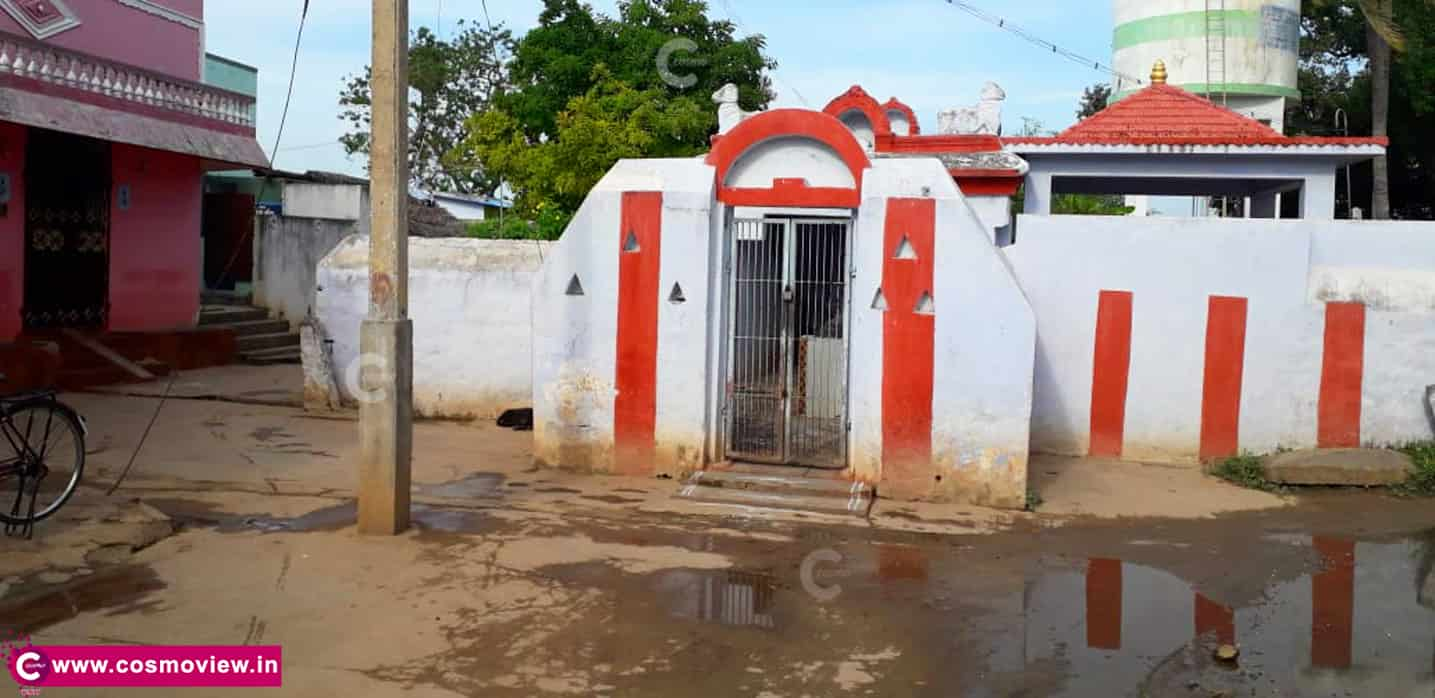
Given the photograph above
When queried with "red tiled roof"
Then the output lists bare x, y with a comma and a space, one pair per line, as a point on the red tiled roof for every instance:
1167, 115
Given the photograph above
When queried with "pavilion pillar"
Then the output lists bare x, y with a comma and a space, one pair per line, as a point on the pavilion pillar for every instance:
1038, 194
386, 335
1317, 196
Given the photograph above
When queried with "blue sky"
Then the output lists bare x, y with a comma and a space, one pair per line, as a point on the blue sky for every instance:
925, 52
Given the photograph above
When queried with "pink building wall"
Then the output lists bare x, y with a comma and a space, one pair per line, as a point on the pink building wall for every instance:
12, 231
137, 32
154, 243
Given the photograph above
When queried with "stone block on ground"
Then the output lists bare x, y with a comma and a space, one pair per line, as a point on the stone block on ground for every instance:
1352, 467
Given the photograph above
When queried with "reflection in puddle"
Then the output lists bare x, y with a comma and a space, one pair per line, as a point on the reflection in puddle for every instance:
727, 597
1356, 624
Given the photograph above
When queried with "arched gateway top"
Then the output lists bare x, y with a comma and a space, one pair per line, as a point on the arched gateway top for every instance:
898, 111
789, 157
861, 113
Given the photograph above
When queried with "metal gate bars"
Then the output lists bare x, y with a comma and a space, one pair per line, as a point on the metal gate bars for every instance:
787, 369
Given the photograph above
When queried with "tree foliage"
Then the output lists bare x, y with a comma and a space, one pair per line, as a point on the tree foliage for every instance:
588, 90
612, 121
554, 62
1335, 76
449, 80
1094, 100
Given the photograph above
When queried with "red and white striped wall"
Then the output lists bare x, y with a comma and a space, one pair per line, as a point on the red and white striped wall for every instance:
1338, 399
1177, 340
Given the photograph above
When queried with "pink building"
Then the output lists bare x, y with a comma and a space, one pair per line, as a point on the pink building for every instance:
106, 130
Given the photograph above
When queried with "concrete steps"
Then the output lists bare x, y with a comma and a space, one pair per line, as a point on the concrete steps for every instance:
230, 314
259, 339
278, 355
779, 488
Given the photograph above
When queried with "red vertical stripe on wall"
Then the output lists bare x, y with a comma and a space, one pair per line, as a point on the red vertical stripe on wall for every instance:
1110, 373
636, 406
1103, 604
908, 339
1333, 604
1341, 375
1214, 619
1225, 365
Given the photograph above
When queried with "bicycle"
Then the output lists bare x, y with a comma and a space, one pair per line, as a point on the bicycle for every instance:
46, 456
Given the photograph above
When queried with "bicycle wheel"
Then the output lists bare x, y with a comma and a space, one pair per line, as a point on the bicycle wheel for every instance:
41, 437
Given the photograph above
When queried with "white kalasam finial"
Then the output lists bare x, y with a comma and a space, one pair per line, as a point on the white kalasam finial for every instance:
983, 119
729, 113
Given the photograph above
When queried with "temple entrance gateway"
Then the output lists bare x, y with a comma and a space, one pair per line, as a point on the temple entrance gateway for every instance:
786, 401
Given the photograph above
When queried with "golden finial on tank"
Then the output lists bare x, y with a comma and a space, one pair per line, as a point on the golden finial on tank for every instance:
1158, 73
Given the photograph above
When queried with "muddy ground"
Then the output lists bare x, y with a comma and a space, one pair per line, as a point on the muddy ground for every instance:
519, 582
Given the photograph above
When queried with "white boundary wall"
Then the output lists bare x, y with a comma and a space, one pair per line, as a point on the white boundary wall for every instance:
1287, 270
469, 301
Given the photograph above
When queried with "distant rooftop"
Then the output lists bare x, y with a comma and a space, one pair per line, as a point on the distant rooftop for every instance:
1166, 115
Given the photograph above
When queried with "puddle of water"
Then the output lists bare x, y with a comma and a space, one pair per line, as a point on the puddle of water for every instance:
333, 518
1360, 624
725, 597
476, 485
611, 499
1358, 620
121, 590
327, 519
265, 434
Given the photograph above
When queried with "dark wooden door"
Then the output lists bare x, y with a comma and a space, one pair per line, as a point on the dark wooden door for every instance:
67, 230
228, 244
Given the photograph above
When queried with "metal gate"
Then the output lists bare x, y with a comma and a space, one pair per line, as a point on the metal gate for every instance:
787, 371
67, 230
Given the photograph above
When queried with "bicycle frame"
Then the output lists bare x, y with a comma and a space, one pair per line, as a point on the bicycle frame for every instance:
20, 446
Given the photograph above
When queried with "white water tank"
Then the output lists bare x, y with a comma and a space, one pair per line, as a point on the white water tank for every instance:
1241, 53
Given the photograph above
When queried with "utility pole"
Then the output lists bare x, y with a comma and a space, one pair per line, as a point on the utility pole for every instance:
386, 416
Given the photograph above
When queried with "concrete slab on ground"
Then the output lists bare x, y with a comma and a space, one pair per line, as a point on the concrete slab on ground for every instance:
1346, 467
281, 384
1111, 488
90, 531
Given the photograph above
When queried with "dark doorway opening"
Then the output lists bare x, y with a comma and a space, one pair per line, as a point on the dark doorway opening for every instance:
67, 230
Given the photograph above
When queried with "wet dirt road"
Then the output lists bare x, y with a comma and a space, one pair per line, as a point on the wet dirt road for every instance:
1330, 598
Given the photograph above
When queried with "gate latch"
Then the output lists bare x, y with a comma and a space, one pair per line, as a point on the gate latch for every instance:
787, 294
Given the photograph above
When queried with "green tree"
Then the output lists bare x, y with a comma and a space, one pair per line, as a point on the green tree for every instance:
1094, 100
1339, 73
449, 80
553, 64
612, 121
1386, 23
588, 90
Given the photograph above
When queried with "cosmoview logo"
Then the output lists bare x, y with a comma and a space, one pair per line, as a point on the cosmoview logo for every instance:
31, 666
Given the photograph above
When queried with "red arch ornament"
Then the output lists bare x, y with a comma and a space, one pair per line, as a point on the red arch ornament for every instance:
795, 192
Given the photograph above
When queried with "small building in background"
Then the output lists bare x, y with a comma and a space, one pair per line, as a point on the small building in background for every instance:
104, 143
468, 207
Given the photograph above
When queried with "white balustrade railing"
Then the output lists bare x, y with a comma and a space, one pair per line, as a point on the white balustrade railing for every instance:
29, 59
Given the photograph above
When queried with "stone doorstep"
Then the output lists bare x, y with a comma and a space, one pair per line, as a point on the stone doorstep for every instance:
1344, 467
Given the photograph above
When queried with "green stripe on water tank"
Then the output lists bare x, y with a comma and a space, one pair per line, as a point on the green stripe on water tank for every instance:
1234, 89
1185, 25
